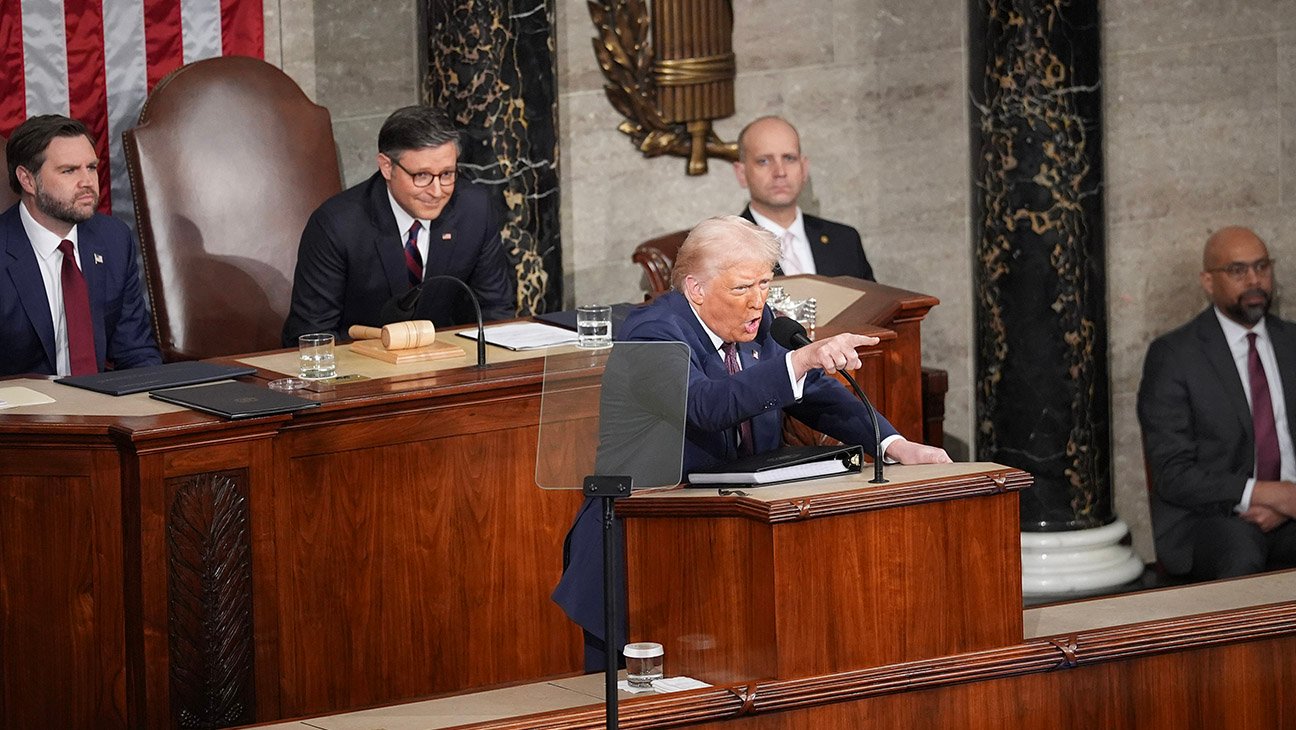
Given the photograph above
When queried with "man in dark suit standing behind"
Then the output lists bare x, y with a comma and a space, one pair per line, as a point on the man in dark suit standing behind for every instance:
773, 170
70, 299
1217, 405
413, 219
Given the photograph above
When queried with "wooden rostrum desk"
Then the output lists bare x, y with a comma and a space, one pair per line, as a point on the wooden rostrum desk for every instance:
828, 575
163, 568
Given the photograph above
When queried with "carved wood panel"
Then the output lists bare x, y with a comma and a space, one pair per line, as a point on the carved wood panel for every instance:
209, 582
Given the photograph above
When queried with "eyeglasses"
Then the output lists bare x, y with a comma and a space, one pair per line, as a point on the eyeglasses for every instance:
424, 179
1238, 269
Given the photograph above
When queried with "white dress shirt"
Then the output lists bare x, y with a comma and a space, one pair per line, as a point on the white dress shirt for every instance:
45, 243
1236, 336
801, 260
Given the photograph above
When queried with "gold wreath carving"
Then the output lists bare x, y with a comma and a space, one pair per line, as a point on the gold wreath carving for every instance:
624, 51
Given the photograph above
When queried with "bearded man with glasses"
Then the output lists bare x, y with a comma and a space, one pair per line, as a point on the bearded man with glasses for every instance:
1217, 405
413, 219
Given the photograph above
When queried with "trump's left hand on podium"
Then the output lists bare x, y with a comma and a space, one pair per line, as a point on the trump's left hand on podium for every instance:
908, 452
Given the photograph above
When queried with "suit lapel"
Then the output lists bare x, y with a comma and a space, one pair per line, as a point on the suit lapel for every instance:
388, 244
443, 240
821, 253
25, 275
1217, 352
1284, 346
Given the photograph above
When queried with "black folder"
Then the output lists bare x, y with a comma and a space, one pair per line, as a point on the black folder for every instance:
234, 400
788, 464
152, 377
567, 317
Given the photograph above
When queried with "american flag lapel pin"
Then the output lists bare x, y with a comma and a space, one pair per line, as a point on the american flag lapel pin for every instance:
445, 236
98, 259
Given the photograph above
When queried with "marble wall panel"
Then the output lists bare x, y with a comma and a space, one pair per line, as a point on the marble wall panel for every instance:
366, 56
1287, 104
296, 39
577, 69
1136, 25
273, 44
868, 29
1192, 128
773, 34
1129, 488
357, 143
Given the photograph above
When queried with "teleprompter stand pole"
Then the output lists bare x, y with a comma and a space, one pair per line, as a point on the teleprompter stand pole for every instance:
607, 489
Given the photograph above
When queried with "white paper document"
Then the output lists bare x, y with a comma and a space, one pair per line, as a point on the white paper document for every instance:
19, 396
524, 335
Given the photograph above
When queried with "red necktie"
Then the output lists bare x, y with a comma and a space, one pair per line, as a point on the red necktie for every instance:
76, 312
413, 261
1268, 457
745, 446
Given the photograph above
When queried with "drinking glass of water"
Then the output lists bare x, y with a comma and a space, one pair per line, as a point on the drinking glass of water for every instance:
315, 356
594, 326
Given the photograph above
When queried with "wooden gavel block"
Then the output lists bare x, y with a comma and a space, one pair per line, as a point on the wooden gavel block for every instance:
397, 335
401, 342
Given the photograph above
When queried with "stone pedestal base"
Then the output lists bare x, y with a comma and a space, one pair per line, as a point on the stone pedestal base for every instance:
1077, 561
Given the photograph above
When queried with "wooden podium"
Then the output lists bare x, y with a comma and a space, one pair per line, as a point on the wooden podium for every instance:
828, 575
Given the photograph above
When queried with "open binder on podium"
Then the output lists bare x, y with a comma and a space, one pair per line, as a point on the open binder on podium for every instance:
788, 464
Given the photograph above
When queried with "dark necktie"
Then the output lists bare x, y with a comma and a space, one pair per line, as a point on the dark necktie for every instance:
1268, 457
76, 313
413, 261
745, 446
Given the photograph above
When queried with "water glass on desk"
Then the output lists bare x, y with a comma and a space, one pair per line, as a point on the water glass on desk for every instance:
594, 326
645, 662
315, 356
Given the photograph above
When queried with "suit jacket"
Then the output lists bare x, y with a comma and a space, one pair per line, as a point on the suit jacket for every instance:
123, 332
1197, 435
836, 248
351, 261
717, 403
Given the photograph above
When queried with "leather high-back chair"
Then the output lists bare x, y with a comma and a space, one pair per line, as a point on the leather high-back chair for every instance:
7, 196
229, 160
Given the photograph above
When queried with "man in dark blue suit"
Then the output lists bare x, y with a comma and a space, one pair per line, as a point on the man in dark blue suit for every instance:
413, 219
720, 282
70, 299
773, 170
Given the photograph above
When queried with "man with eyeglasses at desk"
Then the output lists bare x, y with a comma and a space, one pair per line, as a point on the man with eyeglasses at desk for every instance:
413, 219
1217, 405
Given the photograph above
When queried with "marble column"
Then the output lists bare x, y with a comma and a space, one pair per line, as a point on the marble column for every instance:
491, 65
1039, 274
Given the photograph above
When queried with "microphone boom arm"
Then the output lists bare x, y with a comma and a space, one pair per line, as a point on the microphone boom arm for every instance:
402, 308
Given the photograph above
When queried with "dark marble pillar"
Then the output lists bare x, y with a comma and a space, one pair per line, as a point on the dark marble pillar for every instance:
1041, 332
491, 65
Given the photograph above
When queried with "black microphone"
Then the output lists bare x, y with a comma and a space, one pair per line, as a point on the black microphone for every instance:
401, 308
790, 334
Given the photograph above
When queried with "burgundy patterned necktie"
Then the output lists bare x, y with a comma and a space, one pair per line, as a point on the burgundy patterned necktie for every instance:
413, 261
1268, 457
744, 428
76, 312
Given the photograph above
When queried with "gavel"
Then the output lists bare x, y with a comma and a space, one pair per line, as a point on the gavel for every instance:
397, 335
